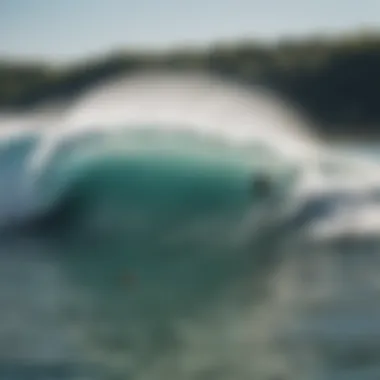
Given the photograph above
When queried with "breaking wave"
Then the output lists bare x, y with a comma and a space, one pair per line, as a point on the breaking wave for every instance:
140, 211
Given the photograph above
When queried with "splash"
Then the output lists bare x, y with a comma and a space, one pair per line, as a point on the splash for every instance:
173, 263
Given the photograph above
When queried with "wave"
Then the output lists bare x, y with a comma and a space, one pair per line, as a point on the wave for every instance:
147, 194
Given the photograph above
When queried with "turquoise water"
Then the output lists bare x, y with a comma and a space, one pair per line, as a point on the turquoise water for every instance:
145, 245
150, 263
148, 252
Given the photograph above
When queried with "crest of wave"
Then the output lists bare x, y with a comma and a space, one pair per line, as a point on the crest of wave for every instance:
203, 105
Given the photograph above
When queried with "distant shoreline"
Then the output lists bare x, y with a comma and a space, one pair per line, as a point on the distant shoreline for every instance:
335, 81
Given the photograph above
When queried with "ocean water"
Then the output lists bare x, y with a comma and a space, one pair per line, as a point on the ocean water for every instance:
135, 242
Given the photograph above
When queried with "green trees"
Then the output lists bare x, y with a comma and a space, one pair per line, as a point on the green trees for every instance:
336, 82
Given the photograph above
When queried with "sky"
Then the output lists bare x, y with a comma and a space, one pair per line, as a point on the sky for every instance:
61, 30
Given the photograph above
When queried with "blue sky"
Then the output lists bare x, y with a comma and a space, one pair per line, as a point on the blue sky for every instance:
69, 29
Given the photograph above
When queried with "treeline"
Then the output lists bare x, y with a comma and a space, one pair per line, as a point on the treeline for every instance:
335, 81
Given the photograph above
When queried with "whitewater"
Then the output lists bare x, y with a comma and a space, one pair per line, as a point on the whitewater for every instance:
135, 242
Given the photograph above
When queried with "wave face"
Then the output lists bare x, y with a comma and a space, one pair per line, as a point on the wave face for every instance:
136, 241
